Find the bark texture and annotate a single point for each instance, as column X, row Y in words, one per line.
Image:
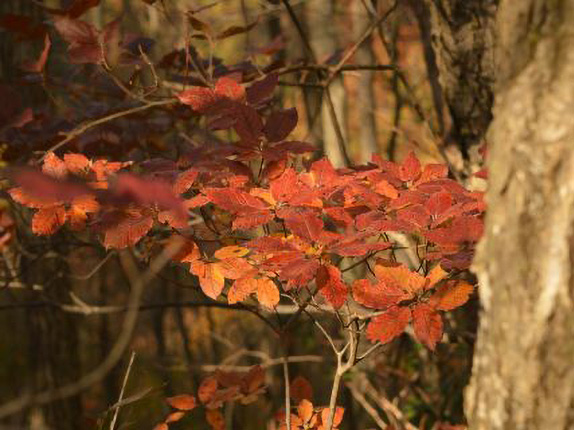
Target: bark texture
column 523, row 377
column 463, row 39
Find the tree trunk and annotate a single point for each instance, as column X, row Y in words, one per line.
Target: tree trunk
column 365, row 100
column 321, row 20
column 523, row 377
column 463, row 41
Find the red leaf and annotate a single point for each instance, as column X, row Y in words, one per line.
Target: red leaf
column 416, row 215
column 149, row 192
column 390, row 324
column 251, row 220
column 262, row 90
column 132, row 226
column 378, row 296
column 229, row 88
column 31, row 200
column 83, row 39
column 432, row 172
column 235, row 201
column 331, row 285
column 463, row 229
column 439, row 203
column 411, row 168
column 302, row 222
column 248, row 125
column 183, row 402
column 427, row 324
column 280, row 124
column 284, row 187
column 451, row 295
column 185, row 180
column 300, row 389
column 199, row 98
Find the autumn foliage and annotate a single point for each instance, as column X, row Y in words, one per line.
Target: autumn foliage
column 259, row 220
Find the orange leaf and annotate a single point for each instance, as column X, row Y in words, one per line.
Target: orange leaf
column 54, row 166
column 236, row 268
column 397, row 275
column 436, row 275
column 267, row 293
column 390, row 324
column 207, row 389
column 305, row 410
column 48, row 220
column 183, row 402
column 215, row 419
column 210, row 277
column 174, row 417
column 427, row 324
column 76, row 163
column 337, row 417
column 451, row 295
column 241, row 289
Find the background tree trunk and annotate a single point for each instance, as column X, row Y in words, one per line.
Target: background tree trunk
column 523, row 378
column 322, row 31
column 366, row 104
column 463, row 37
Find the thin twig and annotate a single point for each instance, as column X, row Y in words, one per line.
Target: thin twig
column 127, row 375
column 91, row 124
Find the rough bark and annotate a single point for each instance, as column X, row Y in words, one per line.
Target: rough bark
column 523, row 378
column 463, row 39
